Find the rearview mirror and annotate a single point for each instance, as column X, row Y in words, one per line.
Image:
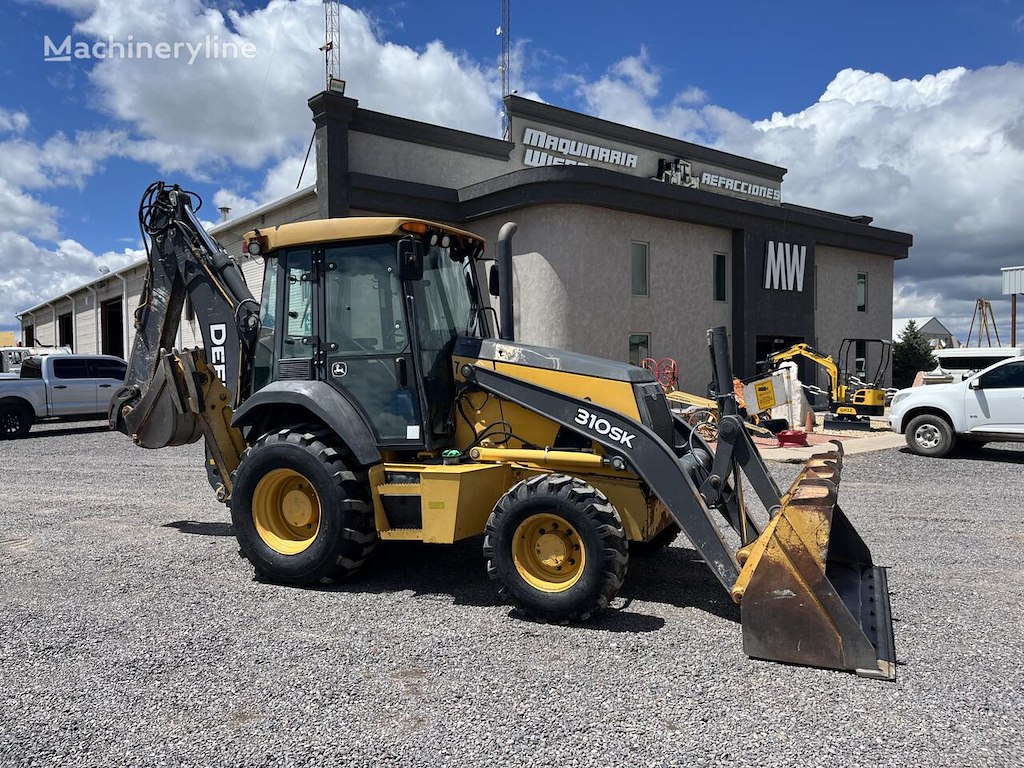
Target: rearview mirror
column 975, row 384
column 493, row 282
column 410, row 260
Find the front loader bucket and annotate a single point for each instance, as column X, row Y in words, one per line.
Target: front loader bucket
column 808, row 591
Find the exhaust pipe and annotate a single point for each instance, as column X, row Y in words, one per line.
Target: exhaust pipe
column 507, row 316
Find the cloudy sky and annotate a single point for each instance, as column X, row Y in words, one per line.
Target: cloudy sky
column 911, row 112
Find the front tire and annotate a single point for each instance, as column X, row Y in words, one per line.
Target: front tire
column 300, row 515
column 930, row 435
column 15, row 421
column 557, row 547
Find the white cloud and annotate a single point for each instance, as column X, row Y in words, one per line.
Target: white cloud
column 629, row 91
column 199, row 117
column 38, row 262
column 12, row 121
column 33, row 273
column 279, row 181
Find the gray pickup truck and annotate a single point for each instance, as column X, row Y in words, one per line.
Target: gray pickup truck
column 58, row 387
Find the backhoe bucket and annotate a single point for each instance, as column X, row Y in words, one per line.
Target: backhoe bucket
column 808, row 591
column 161, row 416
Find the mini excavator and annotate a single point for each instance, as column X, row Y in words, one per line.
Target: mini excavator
column 849, row 396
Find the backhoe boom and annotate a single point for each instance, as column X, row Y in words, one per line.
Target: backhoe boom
column 172, row 397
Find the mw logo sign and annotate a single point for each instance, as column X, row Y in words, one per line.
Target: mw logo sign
column 784, row 266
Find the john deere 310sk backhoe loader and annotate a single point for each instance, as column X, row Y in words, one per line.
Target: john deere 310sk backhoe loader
column 373, row 397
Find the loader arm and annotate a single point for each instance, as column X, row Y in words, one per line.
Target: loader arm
column 173, row 397
column 808, row 590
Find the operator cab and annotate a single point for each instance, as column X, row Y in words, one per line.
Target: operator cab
column 372, row 306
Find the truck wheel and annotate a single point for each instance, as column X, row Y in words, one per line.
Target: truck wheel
column 15, row 421
column 557, row 547
column 300, row 515
column 930, row 435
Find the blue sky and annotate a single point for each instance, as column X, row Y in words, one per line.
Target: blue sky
column 912, row 112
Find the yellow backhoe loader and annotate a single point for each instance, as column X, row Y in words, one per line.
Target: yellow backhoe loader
column 374, row 395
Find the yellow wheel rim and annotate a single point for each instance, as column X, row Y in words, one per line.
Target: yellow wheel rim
column 286, row 511
column 548, row 553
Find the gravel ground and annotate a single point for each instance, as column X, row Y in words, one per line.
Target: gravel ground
column 132, row 634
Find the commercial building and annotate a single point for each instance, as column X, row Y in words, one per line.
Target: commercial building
column 630, row 244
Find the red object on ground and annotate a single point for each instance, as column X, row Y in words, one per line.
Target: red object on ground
column 791, row 437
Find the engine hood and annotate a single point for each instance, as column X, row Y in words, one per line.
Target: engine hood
column 516, row 353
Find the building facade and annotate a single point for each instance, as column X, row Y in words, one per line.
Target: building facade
column 630, row 244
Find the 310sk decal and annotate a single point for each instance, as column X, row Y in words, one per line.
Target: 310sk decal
column 603, row 427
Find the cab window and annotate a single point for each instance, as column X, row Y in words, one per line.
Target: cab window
column 71, row 369
column 1009, row 376
column 298, row 305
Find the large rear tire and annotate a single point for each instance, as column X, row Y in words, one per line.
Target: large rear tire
column 300, row 515
column 930, row 435
column 15, row 421
column 557, row 547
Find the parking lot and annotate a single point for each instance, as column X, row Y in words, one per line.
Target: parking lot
column 132, row 634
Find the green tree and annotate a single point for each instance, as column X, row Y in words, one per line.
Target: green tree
column 910, row 354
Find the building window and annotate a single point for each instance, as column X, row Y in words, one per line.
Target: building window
column 638, row 257
column 28, row 336
column 721, row 268
column 639, row 347
column 862, row 291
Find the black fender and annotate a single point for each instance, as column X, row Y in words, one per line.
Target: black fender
column 325, row 403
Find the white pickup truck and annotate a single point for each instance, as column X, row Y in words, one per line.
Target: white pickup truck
column 985, row 407
column 59, row 387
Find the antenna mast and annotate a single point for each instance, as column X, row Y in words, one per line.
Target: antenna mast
column 503, row 68
column 332, row 64
column 332, row 44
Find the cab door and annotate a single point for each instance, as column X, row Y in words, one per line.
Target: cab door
column 73, row 387
column 367, row 347
column 109, row 376
column 994, row 401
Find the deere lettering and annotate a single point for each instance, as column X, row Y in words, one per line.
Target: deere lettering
column 603, row 427
column 218, row 336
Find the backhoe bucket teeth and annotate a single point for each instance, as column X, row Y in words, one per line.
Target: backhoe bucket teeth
column 808, row 591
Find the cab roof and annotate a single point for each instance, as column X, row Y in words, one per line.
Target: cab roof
column 352, row 228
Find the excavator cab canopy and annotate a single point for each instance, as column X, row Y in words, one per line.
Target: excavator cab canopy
column 270, row 239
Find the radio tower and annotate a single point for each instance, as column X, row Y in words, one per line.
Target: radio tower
column 332, row 64
column 332, row 44
column 503, row 68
